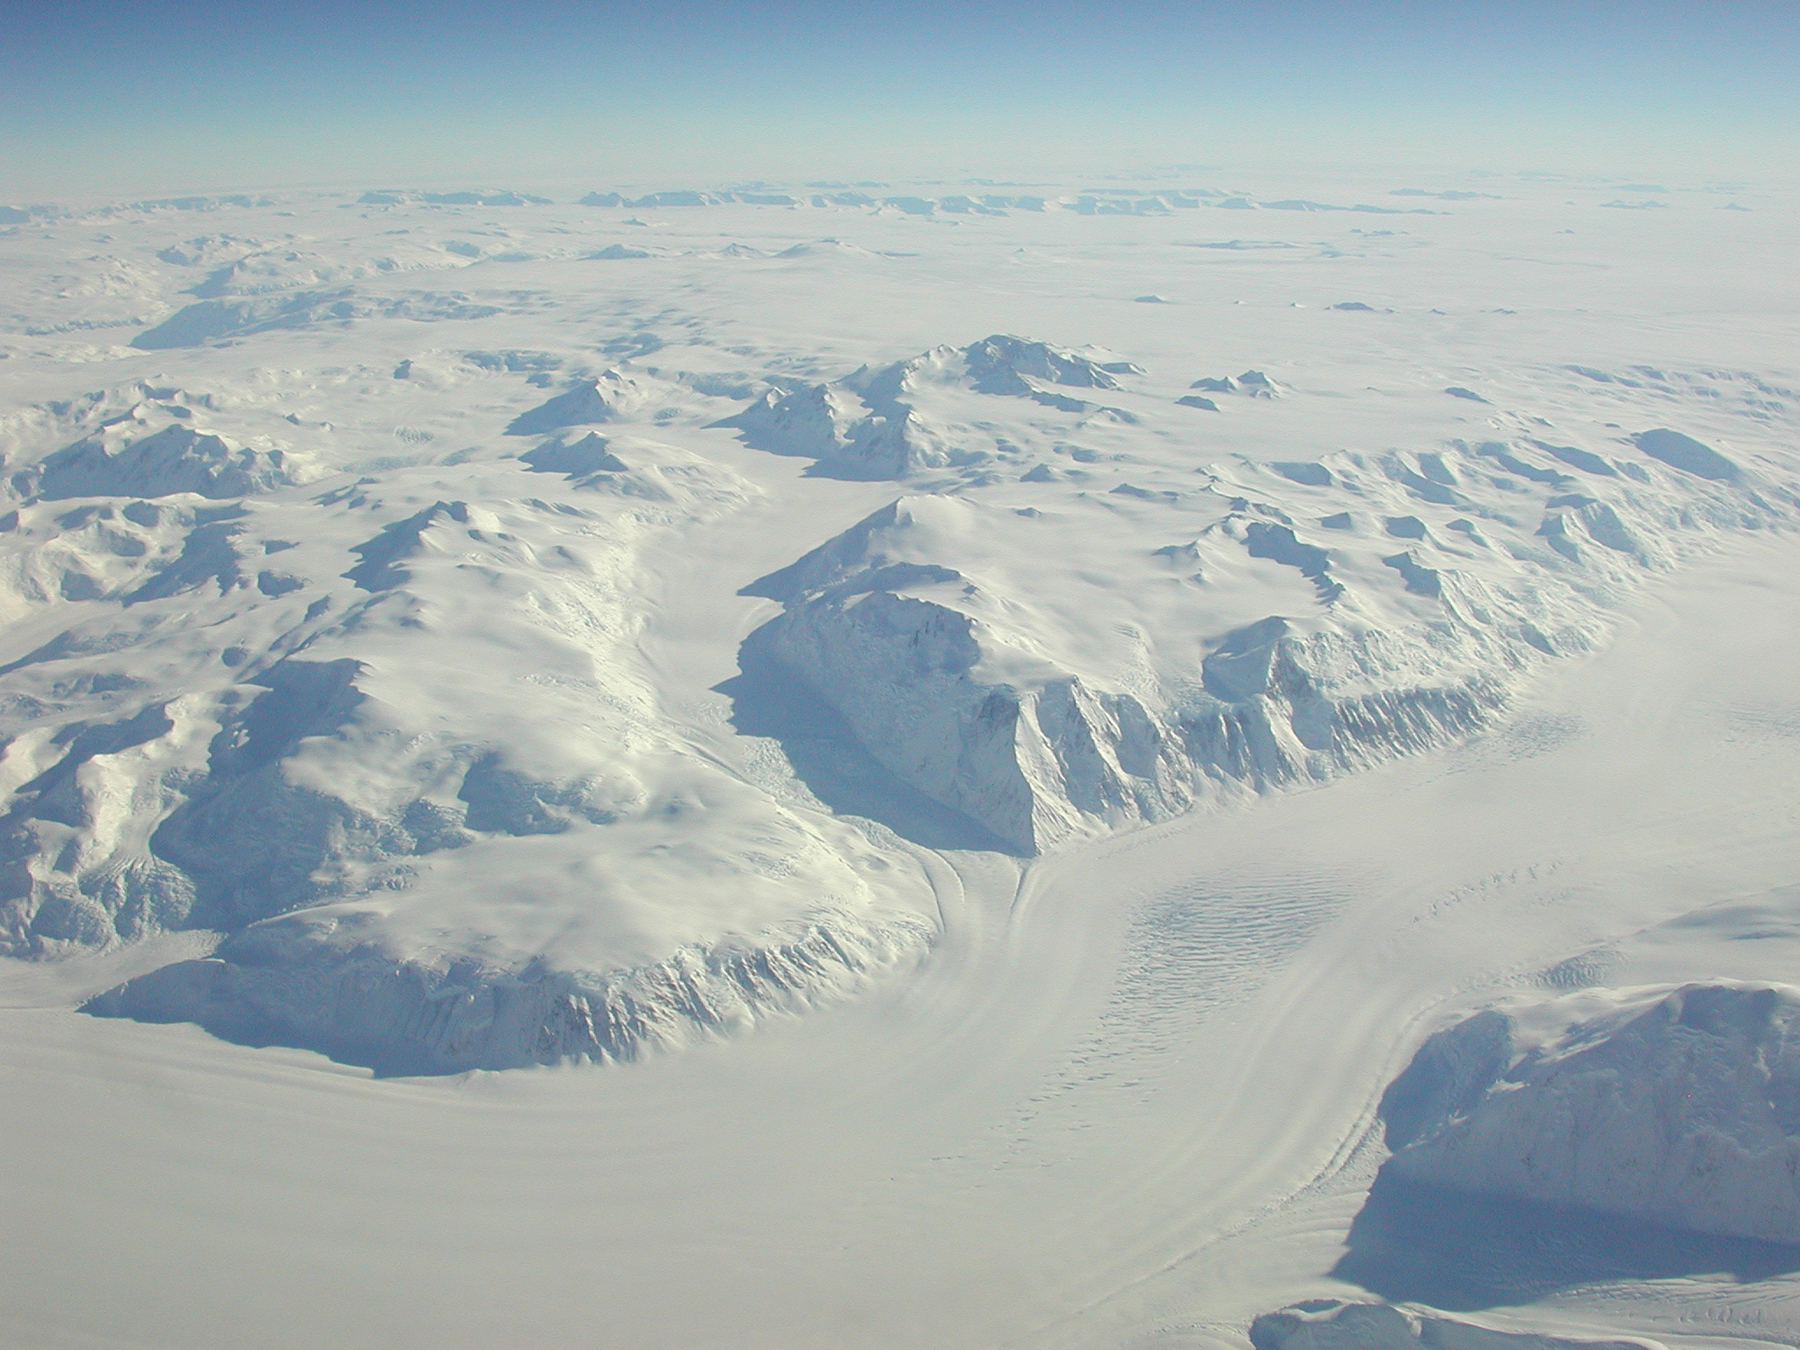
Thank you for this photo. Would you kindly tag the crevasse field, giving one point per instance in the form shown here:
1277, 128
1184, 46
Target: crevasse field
1067, 766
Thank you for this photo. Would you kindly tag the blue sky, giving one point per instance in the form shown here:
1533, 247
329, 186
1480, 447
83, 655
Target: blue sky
108, 97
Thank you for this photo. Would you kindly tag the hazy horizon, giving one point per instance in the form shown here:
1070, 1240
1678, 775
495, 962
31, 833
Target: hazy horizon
112, 98
914, 676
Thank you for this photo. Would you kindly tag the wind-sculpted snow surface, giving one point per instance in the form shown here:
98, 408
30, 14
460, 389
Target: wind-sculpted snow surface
1680, 1107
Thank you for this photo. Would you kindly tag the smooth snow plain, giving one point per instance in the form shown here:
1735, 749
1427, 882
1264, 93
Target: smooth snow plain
812, 769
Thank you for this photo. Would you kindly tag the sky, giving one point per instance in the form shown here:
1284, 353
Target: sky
103, 96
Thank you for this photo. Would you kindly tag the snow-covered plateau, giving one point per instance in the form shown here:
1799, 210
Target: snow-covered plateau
800, 767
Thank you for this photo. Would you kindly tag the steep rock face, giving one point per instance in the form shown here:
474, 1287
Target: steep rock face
1681, 1107
1045, 674
895, 647
957, 685
317, 985
896, 420
1028, 762
1046, 755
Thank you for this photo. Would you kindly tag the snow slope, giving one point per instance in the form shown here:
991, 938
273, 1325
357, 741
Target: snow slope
1304, 619
382, 738
1677, 1107
1047, 760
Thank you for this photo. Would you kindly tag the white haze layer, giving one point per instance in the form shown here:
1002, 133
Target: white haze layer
892, 767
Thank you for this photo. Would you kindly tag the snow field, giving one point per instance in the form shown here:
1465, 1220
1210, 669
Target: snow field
451, 678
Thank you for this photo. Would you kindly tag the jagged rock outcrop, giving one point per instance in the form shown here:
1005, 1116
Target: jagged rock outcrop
113, 463
1025, 763
1278, 645
944, 680
1251, 384
870, 424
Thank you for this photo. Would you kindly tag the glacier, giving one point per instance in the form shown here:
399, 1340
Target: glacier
798, 764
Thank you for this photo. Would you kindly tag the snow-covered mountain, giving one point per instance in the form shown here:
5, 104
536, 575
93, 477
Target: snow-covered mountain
1044, 695
1055, 669
1680, 1107
293, 710
870, 423
344, 725
1328, 1324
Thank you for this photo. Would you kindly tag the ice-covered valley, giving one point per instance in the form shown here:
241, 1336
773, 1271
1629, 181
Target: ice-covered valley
793, 768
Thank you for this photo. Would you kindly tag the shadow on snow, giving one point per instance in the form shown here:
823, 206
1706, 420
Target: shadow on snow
768, 700
1463, 1252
